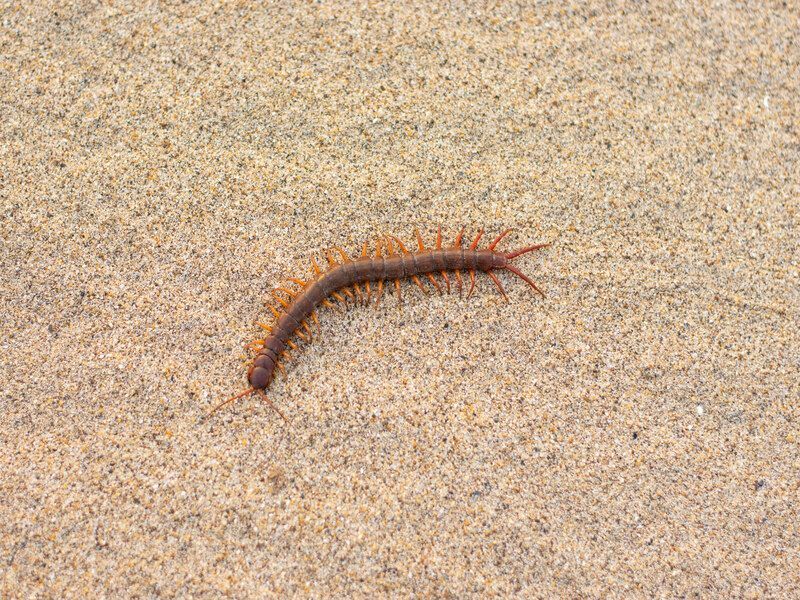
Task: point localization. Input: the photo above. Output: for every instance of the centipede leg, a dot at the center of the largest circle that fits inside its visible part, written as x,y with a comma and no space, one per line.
524,277
379,294
525,250
460,282
397,287
446,280
472,281
416,280
476,240
498,238
434,282
498,284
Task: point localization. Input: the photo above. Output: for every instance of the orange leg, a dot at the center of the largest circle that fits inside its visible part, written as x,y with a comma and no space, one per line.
315,266
416,280
288,291
263,326
498,238
472,281
420,245
446,280
434,282
460,282
524,277
522,251
498,284
475,242
331,261
280,300
457,243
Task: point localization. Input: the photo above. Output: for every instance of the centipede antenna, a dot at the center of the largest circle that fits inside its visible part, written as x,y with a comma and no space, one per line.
498,284
498,238
247,392
477,239
261,393
524,277
522,251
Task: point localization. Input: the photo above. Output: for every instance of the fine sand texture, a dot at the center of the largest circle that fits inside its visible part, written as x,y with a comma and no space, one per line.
634,433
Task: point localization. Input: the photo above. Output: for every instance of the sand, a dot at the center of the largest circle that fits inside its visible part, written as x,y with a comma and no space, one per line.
633,434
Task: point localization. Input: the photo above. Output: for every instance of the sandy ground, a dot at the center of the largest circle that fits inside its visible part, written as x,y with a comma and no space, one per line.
634,433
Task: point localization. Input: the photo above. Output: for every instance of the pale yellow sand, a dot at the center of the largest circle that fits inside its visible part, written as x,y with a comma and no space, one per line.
635,433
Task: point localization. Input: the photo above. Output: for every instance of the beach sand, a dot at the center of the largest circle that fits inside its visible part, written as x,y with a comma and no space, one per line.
634,433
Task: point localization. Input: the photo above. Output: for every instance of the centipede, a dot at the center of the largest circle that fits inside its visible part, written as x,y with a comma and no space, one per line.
352,280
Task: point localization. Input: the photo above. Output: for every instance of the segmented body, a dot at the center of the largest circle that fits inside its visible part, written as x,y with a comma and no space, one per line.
366,270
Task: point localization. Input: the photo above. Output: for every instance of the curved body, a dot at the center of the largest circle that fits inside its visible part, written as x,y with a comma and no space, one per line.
358,271
365,270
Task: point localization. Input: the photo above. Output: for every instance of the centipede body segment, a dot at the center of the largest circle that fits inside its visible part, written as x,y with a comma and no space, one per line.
360,279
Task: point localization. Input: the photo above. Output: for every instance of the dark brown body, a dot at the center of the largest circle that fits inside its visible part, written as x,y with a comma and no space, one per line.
357,271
